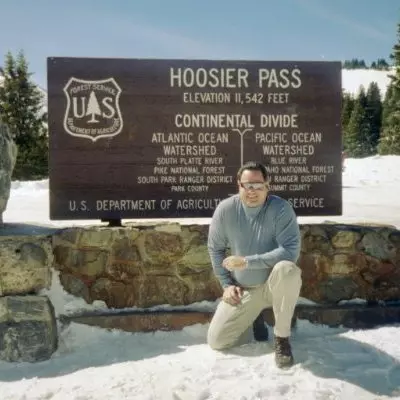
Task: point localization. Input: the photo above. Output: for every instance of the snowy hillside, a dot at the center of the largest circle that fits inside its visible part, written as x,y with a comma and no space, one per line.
352,79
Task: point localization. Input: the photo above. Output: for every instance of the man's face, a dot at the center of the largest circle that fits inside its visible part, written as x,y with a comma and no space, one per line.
252,188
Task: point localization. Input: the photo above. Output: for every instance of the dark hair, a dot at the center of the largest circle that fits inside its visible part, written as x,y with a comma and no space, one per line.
253,166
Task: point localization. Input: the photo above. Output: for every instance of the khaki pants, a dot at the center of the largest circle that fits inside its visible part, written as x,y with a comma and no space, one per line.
232,325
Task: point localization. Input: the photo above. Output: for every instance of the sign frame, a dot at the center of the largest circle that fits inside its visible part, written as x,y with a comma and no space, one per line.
164,138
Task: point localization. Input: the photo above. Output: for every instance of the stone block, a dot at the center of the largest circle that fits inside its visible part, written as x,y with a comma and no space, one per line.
28,329
25,264
8,157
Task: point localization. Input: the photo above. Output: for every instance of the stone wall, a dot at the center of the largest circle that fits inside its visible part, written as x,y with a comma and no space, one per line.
136,266
144,266
341,262
147,266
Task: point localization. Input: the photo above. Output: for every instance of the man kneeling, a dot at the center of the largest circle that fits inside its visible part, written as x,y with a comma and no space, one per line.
263,235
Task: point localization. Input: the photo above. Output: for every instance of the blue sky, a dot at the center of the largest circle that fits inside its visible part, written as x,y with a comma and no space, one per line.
214,29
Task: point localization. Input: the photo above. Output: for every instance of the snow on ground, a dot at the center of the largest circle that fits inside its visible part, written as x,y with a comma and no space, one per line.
95,364
371,189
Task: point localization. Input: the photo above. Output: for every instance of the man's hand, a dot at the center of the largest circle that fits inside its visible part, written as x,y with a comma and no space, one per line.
234,262
232,295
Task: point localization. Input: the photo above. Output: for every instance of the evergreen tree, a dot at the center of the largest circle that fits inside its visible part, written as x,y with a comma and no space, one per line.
354,64
21,110
387,105
373,111
357,136
390,136
347,109
382,64
361,64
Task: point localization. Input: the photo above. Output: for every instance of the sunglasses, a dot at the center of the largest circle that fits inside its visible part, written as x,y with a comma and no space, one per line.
252,185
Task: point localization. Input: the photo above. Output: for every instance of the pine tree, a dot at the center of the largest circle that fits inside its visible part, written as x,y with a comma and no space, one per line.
373,111
347,109
355,63
382,64
357,136
21,110
387,105
390,136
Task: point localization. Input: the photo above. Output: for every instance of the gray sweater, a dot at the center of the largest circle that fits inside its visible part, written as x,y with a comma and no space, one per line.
264,235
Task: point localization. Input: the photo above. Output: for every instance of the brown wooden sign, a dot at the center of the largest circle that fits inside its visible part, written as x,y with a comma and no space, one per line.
143,138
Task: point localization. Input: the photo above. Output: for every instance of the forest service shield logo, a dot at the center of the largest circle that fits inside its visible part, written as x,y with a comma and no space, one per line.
93,110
